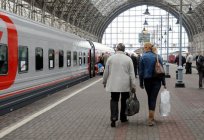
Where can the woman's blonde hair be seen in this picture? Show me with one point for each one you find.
(148, 46)
(154, 50)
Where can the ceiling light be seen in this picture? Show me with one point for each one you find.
(145, 22)
(170, 28)
(146, 11)
(190, 11)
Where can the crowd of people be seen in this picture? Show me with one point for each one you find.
(187, 61)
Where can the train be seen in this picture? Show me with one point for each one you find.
(37, 60)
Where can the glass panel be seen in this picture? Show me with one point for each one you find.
(74, 58)
(39, 58)
(22, 59)
(84, 58)
(3, 59)
(80, 58)
(61, 58)
(51, 58)
(69, 59)
(131, 22)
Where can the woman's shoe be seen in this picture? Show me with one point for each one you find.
(150, 122)
(151, 118)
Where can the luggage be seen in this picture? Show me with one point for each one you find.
(132, 105)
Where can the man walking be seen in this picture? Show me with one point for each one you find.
(189, 60)
(119, 79)
(200, 68)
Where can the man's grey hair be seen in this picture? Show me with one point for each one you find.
(121, 47)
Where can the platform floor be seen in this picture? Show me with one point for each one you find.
(82, 113)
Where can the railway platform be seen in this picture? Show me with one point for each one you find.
(82, 112)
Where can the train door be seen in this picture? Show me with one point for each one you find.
(92, 60)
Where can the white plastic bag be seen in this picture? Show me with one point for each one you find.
(165, 106)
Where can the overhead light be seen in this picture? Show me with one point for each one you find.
(170, 28)
(177, 22)
(165, 41)
(146, 11)
(144, 29)
(145, 22)
(165, 33)
(190, 11)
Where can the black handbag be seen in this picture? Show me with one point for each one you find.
(132, 105)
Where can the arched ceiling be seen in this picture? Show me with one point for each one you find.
(94, 16)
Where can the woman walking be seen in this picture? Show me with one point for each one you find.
(151, 84)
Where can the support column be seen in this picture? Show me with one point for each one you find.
(179, 82)
(167, 54)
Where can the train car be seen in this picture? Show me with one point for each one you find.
(36, 60)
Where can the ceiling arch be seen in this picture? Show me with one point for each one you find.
(163, 5)
(93, 16)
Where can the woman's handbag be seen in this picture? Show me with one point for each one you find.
(132, 105)
(158, 70)
(165, 105)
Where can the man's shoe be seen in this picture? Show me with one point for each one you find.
(113, 124)
(126, 120)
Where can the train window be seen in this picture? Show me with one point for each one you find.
(38, 58)
(80, 58)
(3, 59)
(51, 58)
(69, 59)
(84, 57)
(22, 59)
(75, 58)
(61, 58)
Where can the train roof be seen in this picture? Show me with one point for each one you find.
(103, 47)
(41, 28)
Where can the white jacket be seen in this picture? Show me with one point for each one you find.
(119, 73)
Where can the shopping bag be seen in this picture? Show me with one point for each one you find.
(132, 105)
(165, 105)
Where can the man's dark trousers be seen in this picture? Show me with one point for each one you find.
(114, 105)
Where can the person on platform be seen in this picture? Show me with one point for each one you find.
(119, 79)
(151, 84)
(189, 60)
(200, 68)
(134, 60)
(183, 60)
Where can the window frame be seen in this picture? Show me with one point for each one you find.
(75, 58)
(62, 58)
(27, 60)
(50, 60)
(69, 64)
(40, 58)
(7, 66)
